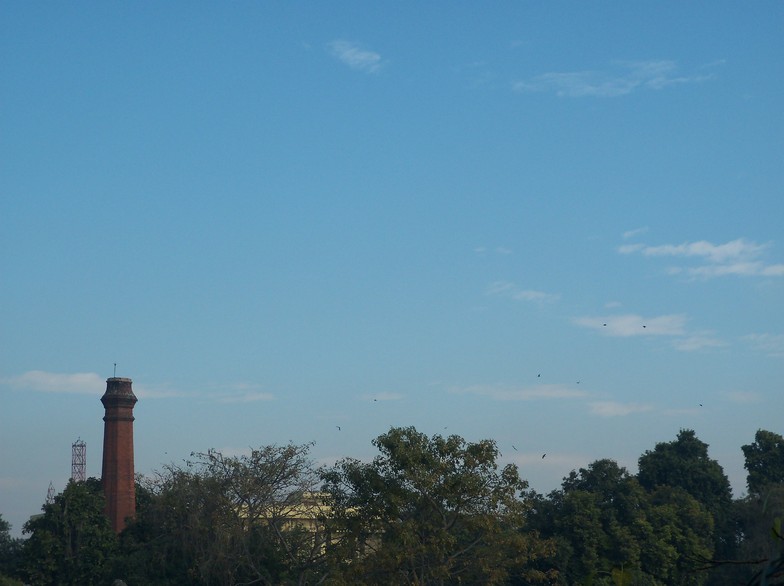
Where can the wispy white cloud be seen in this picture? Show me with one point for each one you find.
(770, 344)
(743, 397)
(355, 56)
(620, 79)
(732, 251)
(698, 341)
(88, 383)
(538, 392)
(673, 325)
(736, 257)
(635, 325)
(512, 291)
(636, 232)
(616, 409)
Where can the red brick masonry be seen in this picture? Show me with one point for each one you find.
(117, 469)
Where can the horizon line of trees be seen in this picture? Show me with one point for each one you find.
(426, 510)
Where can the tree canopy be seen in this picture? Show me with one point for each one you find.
(72, 542)
(430, 511)
(425, 510)
(684, 463)
(764, 461)
(224, 519)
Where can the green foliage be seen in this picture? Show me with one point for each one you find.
(764, 461)
(609, 530)
(430, 511)
(759, 517)
(684, 463)
(10, 553)
(226, 520)
(72, 541)
(426, 510)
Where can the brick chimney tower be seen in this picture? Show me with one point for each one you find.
(117, 470)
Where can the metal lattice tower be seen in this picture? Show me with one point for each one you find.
(79, 461)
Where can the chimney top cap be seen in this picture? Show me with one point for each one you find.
(119, 389)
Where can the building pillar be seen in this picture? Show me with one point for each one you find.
(117, 472)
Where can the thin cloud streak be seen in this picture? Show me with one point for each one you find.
(79, 383)
(636, 232)
(539, 392)
(736, 257)
(743, 397)
(616, 409)
(698, 341)
(625, 78)
(87, 383)
(770, 344)
(511, 291)
(355, 56)
(635, 325)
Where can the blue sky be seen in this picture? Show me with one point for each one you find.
(557, 225)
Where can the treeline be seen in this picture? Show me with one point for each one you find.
(426, 510)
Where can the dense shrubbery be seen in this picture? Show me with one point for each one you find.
(425, 511)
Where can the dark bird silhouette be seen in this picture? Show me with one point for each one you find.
(338, 427)
(543, 455)
(605, 325)
(538, 375)
(644, 326)
(514, 448)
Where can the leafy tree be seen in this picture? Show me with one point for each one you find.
(430, 511)
(229, 519)
(760, 517)
(680, 537)
(610, 531)
(72, 541)
(684, 463)
(10, 550)
(764, 461)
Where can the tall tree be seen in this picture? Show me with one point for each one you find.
(10, 550)
(684, 463)
(221, 519)
(761, 517)
(764, 461)
(609, 530)
(72, 541)
(430, 511)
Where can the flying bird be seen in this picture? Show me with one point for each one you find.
(338, 427)
(514, 448)
(543, 455)
(538, 375)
